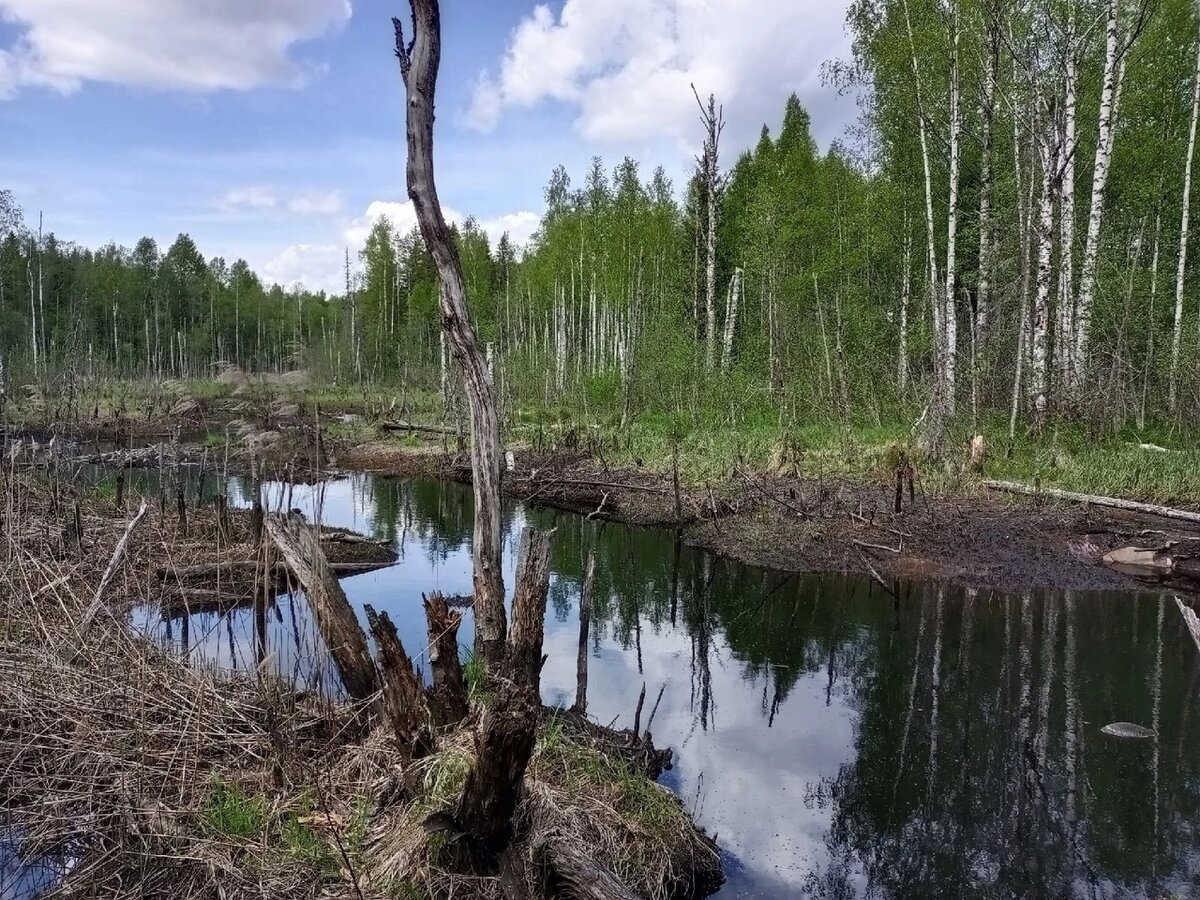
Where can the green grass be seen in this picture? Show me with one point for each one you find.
(232, 813)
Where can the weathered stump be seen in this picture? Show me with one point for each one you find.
(403, 690)
(448, 693)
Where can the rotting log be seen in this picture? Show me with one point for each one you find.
(97, 604)
(243, 566)
(524, 655)
(419, 62)
(1150, 509)
(334, 616)
(572, 871)
(448, 693)
(403, 690)
(585, 619)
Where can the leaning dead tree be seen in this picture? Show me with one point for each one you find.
(419, 61)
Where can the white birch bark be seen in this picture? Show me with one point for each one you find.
(1109, 96)
(931, 248)
(1177, 333)
(905, 300)
(949, 316)
(1066, 264)
(983, 300)
(1039, 381)
(731, 313)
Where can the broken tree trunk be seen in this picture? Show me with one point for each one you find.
(448, 693)
(419, 61)
(505, 739)
(1189, 619)
(403, 690)
(335, 617)
(585, 619)
(524, 654)
(1151, 509)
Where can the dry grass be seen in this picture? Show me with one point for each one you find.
(146, 777)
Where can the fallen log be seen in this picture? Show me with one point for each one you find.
(419, 429)
(110, 572)
(239, 567)
(335, 617)
(1013, 487)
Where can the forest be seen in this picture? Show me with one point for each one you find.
(1003, 238)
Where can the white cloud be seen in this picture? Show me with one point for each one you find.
(317, 203)
(260, 199)
(519, 225)
(321, 266)
(252, 197)
(162, 44)
(626, 65)
(316, 266)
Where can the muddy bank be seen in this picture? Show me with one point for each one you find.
(794, 524)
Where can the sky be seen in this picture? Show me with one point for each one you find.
(273, 130)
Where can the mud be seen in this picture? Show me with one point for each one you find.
(971, 537)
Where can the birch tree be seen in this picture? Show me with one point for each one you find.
(1181, 267)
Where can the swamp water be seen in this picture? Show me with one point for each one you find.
(840, 742)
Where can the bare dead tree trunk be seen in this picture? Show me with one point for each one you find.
(448, 693)
(714, 123)
(419, 61)
(585, 619)
(403, 693)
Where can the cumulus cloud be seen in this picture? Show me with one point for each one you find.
(322, 266)
(252, 197)
(626, 65)
(162, 44)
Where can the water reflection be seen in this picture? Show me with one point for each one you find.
(843, 742)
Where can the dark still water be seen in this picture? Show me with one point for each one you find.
(842, 743)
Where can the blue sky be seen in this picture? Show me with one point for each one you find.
(273, 129)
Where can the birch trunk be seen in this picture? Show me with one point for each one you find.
(1109, 96)
(1066, 264)
(905, 300)
(983, 300)
(419, 63)
(949, 316)
(731, 313)
(1177, 333)
(1038, 327)
(931, 246)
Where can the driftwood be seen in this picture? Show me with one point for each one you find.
(97, 604)
(413, 427)
(1013, 487)
(585, 619)
(448, 693)
(403, 691)
(335, 617)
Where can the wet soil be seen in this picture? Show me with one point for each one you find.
(972, 536)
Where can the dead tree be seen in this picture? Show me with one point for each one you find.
(403, 691)
(505, 739)
(419, 61)
(714, 123)
(448, 693)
